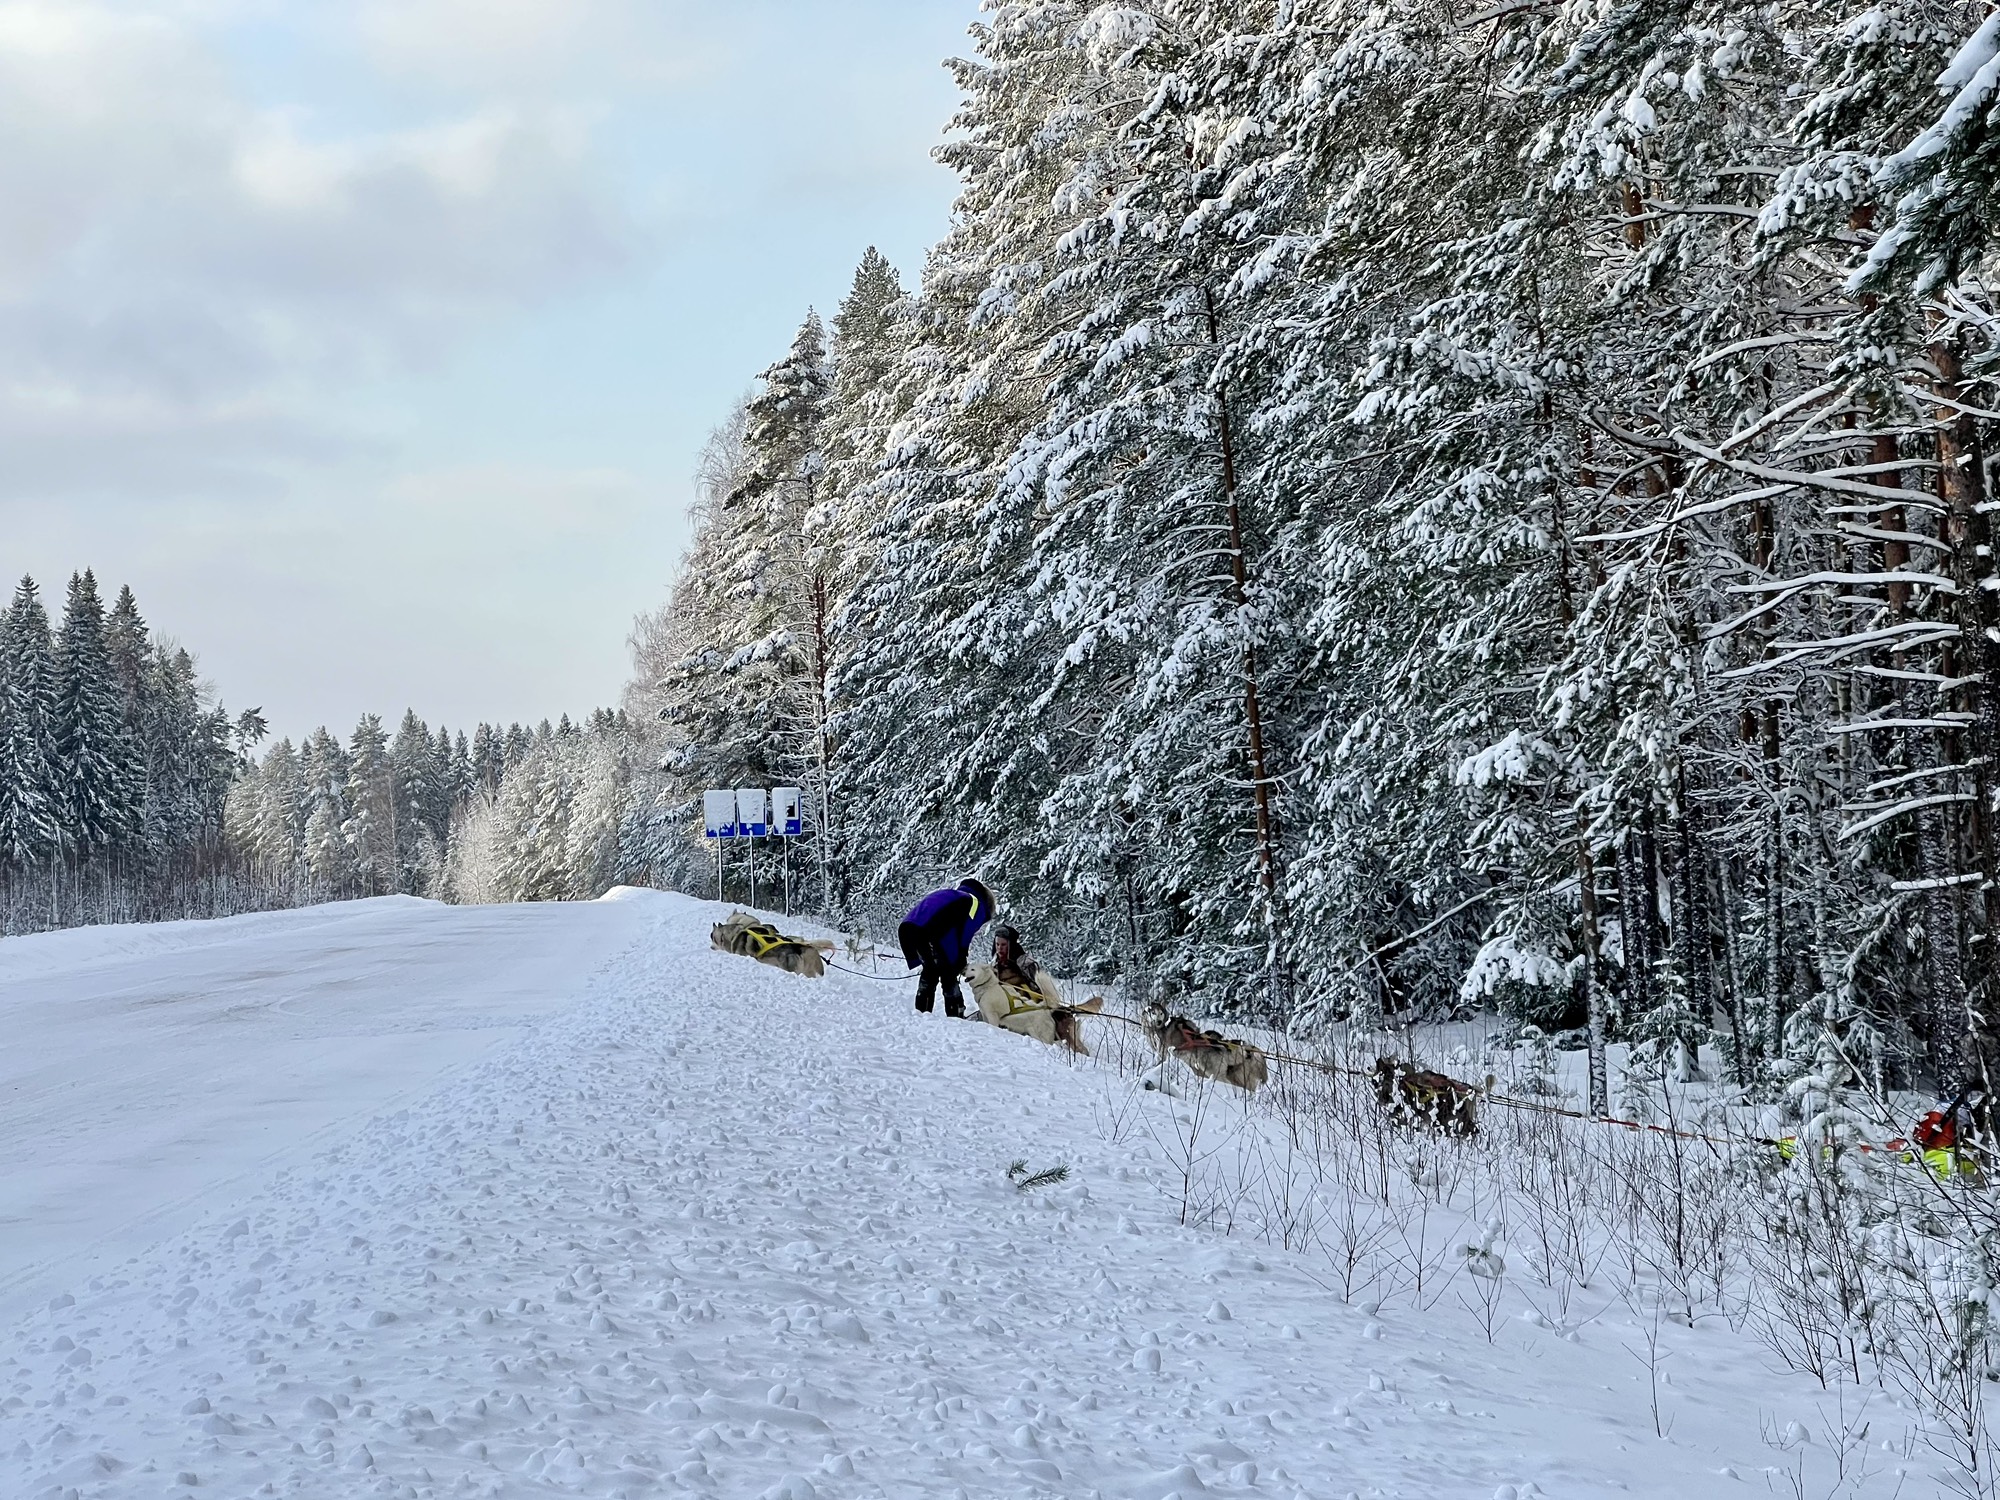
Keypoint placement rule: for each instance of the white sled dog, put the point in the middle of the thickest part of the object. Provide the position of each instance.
(1040, 1013)
(746, 935)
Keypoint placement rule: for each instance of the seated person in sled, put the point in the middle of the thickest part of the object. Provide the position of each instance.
(1017, 994)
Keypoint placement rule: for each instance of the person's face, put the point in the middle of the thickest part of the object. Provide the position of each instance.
(1003, 951)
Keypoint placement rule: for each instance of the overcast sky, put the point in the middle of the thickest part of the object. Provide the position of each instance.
(373, 341)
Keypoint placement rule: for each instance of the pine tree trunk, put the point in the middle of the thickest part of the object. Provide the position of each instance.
(1691, 914)
(1593, 990)
(1960, 483)
(1637, 933)
(822, 667)
(1775, 967)
(1253, 716)
(1944, 975)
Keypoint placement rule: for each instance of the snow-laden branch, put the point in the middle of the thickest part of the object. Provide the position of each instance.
(1907, 634)
(1807, 580)
(1900, 810)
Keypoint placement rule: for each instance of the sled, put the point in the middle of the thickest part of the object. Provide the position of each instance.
(1039, 1012)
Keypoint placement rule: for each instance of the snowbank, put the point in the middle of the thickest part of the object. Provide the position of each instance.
(722, 1231)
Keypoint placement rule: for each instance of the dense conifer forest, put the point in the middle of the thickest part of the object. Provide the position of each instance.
(1387, 509)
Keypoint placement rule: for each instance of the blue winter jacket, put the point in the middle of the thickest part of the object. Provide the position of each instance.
(947, 920)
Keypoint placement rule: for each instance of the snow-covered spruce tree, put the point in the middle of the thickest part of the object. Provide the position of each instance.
(189, 764)
(869, 343)
(329, 860)
(782, 530)
(950, 756)
(1157, 584)
(96, 800)
(29, 817)
(421, 768)
(370, 827)
(280, 827)
(864, 400)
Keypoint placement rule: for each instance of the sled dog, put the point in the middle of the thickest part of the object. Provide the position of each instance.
(1413, 1096)
(1209, 1053)
(743, 934)
(1039, 1012)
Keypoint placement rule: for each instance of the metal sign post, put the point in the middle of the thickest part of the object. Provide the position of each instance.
(753, 821)
(718, 814)
(786, 802)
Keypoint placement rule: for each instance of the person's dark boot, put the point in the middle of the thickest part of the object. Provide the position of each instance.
(926, 992)
(954, 1000)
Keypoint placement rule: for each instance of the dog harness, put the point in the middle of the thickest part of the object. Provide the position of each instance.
(763, 938)
(1020, 1001)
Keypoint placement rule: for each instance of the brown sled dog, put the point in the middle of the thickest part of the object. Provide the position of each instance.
(1209, 1053)
(1040, 1013)
(743, 934)
(1413, 1096)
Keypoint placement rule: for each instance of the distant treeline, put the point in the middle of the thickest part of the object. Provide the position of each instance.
(129, 793)
(510, 814)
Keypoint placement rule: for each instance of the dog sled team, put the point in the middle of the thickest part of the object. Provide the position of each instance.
(1016, 994)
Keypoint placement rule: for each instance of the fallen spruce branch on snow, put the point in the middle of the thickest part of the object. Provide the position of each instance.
(1022, 1178)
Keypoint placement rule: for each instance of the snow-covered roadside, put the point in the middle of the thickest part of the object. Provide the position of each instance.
(149, 1073)
(721, 1231)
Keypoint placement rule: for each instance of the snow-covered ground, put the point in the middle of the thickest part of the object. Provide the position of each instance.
(149, 1073)
(708, 1229)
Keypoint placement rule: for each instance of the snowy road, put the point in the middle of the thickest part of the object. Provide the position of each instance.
(147, 1071)
(719, 1231)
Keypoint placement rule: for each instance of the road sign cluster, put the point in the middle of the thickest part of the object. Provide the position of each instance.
(748, 812)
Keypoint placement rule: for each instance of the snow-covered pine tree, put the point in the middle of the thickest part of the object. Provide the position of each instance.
(949, 757)
(370, 829)
(30, 826)
(328, 857)
(1156, 592)
(95, 802)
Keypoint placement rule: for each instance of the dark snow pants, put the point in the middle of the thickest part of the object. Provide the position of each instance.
(920, 951)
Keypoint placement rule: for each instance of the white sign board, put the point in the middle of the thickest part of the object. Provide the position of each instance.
(787, 811)
(718, 811)
(752, 816)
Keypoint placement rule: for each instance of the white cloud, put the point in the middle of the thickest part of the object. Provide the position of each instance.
(179, 263)
(529, 44)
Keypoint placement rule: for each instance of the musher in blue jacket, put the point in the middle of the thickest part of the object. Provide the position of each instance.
(937, 936)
